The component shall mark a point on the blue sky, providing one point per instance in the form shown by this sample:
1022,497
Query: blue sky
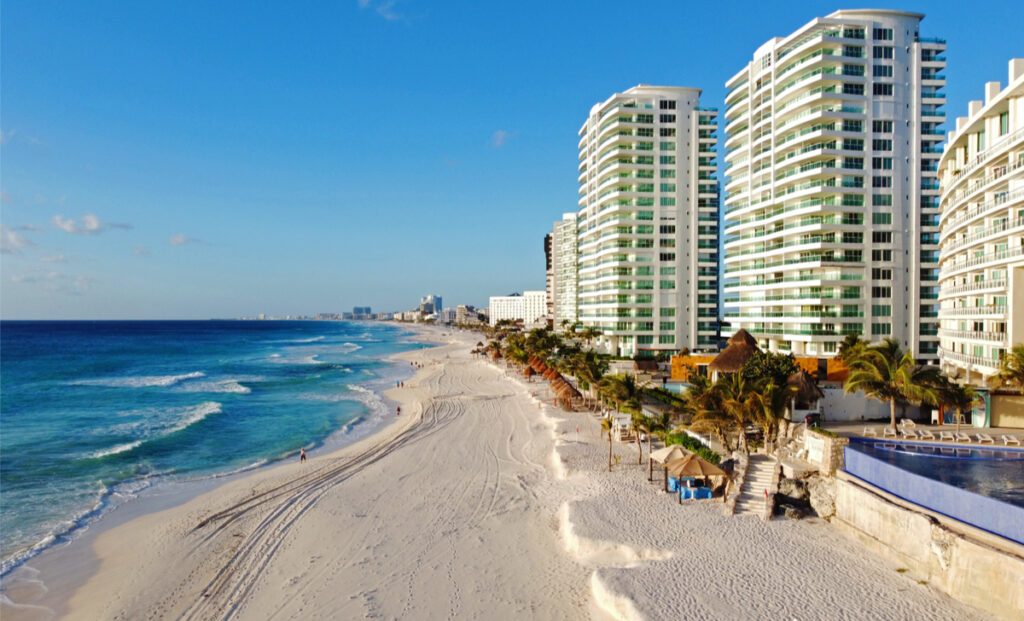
198,159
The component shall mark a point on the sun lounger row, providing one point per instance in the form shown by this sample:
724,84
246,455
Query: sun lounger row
910,433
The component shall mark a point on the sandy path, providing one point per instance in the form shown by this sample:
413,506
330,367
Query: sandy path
448,514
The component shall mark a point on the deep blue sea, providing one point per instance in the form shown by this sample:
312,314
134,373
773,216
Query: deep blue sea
92,413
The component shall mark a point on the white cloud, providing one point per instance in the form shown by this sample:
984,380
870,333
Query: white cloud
53,258
88,225
11,241
500,137
179,239
383,8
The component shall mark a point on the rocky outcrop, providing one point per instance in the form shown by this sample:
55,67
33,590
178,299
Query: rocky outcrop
822,495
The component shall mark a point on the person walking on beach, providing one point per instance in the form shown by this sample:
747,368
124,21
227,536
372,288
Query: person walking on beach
398,412
302,454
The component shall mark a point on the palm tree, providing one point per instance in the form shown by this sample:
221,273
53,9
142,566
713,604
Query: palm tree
960,397
1011,370
606,426
621,389
704,406
851,347
735,392
589,333
885,372
658,424
768,406
637,425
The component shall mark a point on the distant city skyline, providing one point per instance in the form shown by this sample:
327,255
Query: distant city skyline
193,161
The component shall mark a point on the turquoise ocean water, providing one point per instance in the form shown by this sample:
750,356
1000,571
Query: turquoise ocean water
93,413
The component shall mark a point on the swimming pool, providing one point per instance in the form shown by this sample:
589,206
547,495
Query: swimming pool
995,472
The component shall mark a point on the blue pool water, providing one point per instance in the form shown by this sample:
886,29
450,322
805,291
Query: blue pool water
92,413
990,471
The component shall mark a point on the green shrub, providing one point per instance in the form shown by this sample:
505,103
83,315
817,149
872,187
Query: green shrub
693,445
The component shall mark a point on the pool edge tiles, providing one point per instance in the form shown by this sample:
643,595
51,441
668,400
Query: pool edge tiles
989,514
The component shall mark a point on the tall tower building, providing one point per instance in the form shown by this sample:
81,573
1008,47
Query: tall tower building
564,271
647,228
982,268
832,197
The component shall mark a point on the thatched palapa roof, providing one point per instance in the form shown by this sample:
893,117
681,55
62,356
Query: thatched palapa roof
741,346
807,391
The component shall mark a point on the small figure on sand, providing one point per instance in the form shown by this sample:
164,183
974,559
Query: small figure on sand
302,454
398,412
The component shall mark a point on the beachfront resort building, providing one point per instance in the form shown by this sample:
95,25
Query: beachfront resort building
563,271
832,195
647,225
982,266
530,307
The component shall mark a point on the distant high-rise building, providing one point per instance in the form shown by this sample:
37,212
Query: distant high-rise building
361,310
832,201
982,267
430,304
564,272
549,276
530,307
647,228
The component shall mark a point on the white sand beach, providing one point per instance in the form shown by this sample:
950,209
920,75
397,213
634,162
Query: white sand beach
482,502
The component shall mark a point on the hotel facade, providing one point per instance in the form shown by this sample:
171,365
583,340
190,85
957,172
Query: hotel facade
982,260
647,226
832,199
563,267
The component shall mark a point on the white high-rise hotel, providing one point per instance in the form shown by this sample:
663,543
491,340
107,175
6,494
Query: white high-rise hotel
982,287
647,231
564,266
832,192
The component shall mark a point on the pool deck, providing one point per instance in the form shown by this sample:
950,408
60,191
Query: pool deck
855,429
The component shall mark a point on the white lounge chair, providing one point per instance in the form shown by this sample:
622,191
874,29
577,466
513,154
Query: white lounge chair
924,434
946,436
984,438
869,432
909,433
888,432
1008,440
906,422
963,437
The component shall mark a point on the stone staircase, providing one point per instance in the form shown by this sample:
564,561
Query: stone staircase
758,479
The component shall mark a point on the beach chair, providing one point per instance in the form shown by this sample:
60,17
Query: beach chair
906,422
946,436
673,484
702,492
888,432
984,438
686,493
908,433
869,432
962,437
1008,440
924,434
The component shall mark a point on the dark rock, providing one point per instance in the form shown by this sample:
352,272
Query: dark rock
793,488
794,513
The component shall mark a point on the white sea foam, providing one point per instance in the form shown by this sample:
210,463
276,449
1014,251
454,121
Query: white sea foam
140,382
228,385
351,347
157,422
195,414
121,448
310,340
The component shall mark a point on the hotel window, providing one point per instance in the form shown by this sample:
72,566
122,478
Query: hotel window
981,140
856,163
668,242
853,144
853,126
881,255
667,159
881,127
883,51
882,71
668,146
881,310
881,273
853,89
882,34
853,33
881,181
668,118
881,144
668,312
667,284
882,89
855,70
879,329
667,105
668,229
881,163
666,339
668,271
668,173
667,256
667,132
668,201
668,187
646,132
1004,123
666,325
881,292
645,118
881,237
881,218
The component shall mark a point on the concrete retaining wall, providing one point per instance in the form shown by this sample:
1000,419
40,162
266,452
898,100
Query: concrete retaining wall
988,575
